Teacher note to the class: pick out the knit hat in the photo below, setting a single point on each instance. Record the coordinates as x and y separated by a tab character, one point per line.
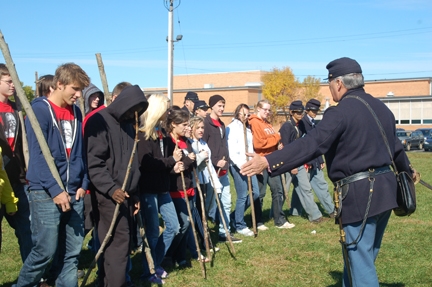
296	106
214	99
342	66
313	105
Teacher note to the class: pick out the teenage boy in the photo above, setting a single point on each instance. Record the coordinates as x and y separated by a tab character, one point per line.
215	137
303	195
109	135
13	160
57	211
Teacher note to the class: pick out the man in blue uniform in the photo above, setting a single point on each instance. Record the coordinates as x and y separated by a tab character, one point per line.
315	167
352	143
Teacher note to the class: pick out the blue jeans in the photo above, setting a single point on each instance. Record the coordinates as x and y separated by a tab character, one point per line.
320	186
302	196
53	230
20	221
210	201
362	256
178	247
225	201
151	205
277	194
242	190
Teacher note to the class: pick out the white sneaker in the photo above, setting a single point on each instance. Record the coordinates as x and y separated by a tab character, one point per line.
262	227
286	225
245	231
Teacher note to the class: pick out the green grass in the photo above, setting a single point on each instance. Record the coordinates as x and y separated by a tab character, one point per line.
293	257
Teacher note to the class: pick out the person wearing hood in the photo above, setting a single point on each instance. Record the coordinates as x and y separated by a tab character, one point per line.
109	136
93	98
57	210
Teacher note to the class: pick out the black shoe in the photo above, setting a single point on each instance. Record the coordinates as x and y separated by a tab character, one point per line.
233	239
319	220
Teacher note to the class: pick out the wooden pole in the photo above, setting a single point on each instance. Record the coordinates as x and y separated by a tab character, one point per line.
107	93
200	259
29	112
251	199
146	247
116	210
228	234
36	85
23	133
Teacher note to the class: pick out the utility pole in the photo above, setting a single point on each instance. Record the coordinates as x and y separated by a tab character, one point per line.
170	41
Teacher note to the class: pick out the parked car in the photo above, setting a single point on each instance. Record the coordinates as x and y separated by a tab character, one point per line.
409	141
428	144
427	133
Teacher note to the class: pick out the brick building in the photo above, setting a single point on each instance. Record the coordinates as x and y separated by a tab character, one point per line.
409	99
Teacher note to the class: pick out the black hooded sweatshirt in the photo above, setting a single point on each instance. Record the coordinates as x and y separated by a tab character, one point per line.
109	135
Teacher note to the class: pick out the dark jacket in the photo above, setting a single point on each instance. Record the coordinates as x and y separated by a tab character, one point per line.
176	183
289	132
305	126
13	160
155	167
351	141
217	143
110	140
72	170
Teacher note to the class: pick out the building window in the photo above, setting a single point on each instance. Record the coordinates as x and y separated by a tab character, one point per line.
404	122
416	122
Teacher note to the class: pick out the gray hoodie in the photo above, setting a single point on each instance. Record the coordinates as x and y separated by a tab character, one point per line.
87	92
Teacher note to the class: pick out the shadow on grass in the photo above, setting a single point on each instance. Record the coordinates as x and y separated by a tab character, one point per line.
337	276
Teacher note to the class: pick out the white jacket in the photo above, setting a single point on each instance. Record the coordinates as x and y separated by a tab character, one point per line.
236	142
203	175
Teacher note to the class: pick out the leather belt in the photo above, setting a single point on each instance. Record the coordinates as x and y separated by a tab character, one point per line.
362	175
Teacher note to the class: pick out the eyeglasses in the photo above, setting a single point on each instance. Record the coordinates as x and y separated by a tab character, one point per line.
265	110
7	82
246	115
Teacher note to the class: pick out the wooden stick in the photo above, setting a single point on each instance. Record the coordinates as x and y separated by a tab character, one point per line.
228	234
23	134
117	208
203	215
103	79
285	190
29	112
251	199
201	261
146	247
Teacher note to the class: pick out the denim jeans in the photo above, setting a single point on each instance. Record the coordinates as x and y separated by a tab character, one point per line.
362	256
151	205
303	196
320	186
225	201
210	201
20	221
242	190
177	250
53	230
276	189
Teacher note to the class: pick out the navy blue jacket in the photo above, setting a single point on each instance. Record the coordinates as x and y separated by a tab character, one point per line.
305	126
73	170
351	141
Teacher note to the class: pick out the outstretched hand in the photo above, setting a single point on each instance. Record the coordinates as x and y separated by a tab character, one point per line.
254	166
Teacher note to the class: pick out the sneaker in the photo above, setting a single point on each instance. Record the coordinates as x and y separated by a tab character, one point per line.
161	273
233	239
262	227
214	249
245	231
155	279
286	225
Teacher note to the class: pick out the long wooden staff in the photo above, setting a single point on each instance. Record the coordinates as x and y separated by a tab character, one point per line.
285	189
227	233
251	199
218	171
146	246
201	261
203	213
23	133
103	78
116	211
29	112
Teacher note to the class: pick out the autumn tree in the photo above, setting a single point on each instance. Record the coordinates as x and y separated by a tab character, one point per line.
310	89
280	88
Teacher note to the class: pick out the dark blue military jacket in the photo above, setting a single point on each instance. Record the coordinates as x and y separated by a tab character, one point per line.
351	141
305	126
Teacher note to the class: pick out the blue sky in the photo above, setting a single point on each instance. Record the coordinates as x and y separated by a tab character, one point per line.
389	38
